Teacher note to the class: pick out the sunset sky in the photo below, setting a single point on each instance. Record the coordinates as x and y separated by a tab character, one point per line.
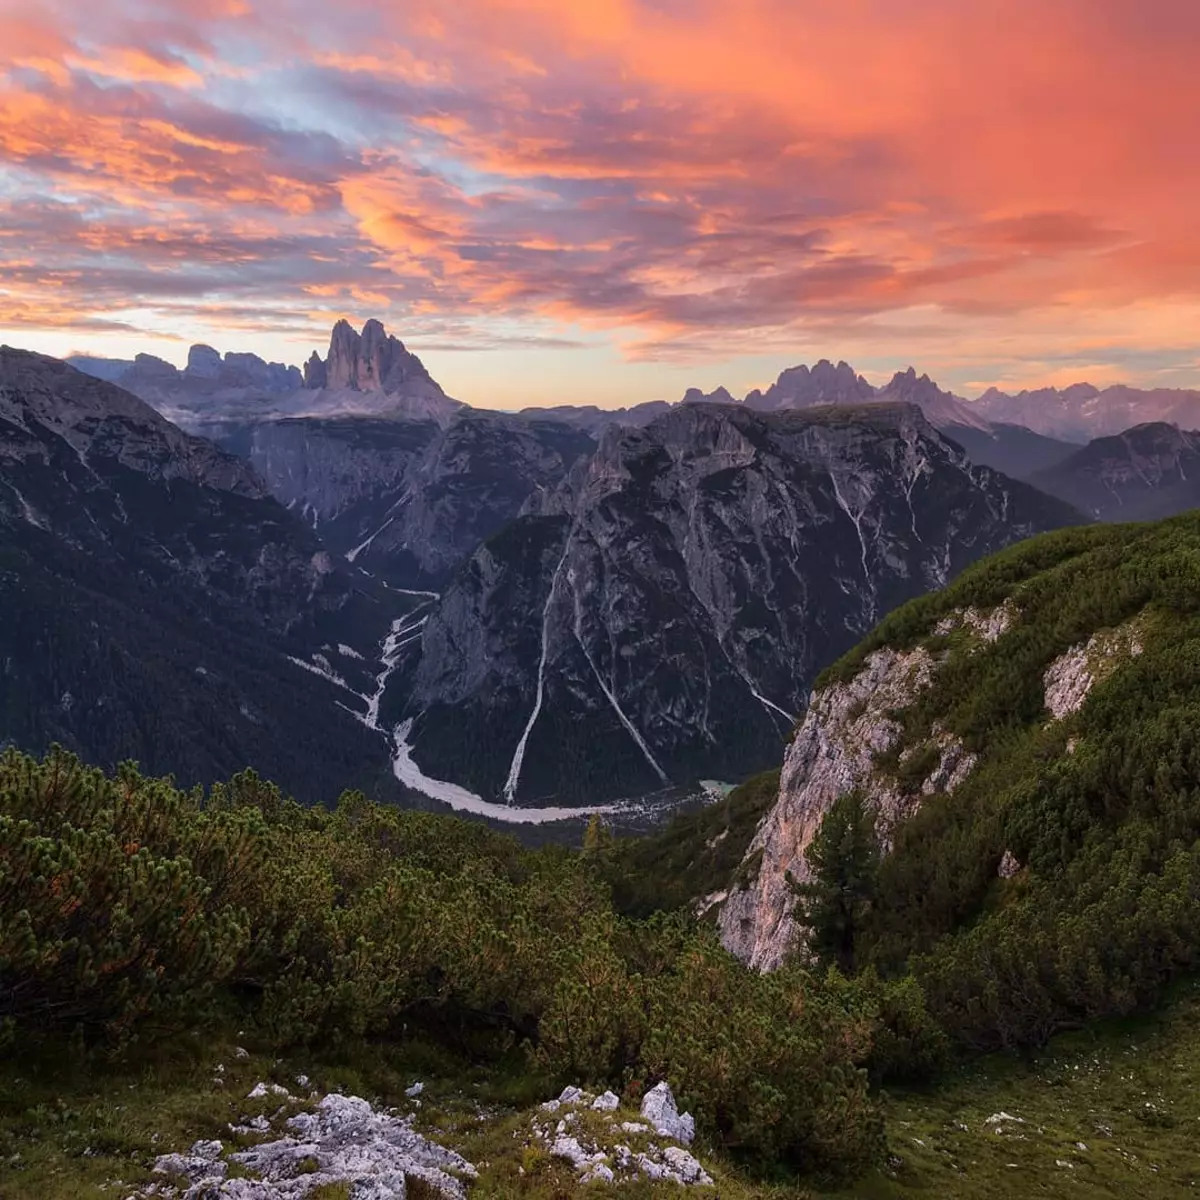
607	201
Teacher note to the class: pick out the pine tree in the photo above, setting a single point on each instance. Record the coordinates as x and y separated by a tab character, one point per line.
843	859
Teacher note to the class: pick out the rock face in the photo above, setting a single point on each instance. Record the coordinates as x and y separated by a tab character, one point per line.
1072	675
410	500
835	751
1147	472
659	617
152	590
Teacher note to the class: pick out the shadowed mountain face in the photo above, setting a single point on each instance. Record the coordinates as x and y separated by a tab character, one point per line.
660	616
152	592
1147	472
410	500
1013	449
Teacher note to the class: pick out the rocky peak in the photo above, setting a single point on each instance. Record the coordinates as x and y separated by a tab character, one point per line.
150	368
807	387
45	397
203	363
373	361
316	376
719	395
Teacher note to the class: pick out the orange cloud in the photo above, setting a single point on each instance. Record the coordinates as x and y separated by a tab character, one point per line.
686	175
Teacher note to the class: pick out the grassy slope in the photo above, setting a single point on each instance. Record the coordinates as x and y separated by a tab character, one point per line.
1128	1092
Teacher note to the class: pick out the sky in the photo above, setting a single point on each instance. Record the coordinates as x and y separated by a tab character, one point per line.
608	201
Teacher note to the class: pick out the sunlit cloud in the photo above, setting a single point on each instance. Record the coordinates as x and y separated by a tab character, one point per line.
997	193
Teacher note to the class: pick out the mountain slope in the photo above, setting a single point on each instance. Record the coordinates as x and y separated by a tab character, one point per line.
660	618
153	592
410	500
1025	738
1146	472
1013	449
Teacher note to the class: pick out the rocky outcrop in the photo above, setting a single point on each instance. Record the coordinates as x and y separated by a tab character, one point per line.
1070	678
848	727
659	618
616	1149
344	1142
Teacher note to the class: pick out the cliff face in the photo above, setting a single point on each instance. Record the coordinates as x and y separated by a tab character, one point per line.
836	750
408	499
661	615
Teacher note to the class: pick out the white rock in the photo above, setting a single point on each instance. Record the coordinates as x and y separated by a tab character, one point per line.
570	1149
658	1107
570	1095
1002	1118
415	1090
607	1102
350	1142
634	1127
686	1168
241	1052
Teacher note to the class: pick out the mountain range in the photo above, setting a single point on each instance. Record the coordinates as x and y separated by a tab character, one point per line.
516	612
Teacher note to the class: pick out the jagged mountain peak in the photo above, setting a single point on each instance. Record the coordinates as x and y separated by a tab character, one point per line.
373	372
803	386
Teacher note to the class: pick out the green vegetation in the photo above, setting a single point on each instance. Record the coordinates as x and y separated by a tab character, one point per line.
131	912
695	853
1100	810
835	905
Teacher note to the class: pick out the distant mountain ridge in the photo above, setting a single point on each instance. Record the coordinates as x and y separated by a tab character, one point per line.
1141	474
1082	411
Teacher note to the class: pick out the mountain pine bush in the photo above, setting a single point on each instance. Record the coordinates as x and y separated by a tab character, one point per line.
130	909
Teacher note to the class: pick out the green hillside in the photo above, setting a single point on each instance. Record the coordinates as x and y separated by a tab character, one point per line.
1050	905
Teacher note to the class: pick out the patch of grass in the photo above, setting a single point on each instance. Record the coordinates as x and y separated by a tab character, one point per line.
1107	1113
332	1191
